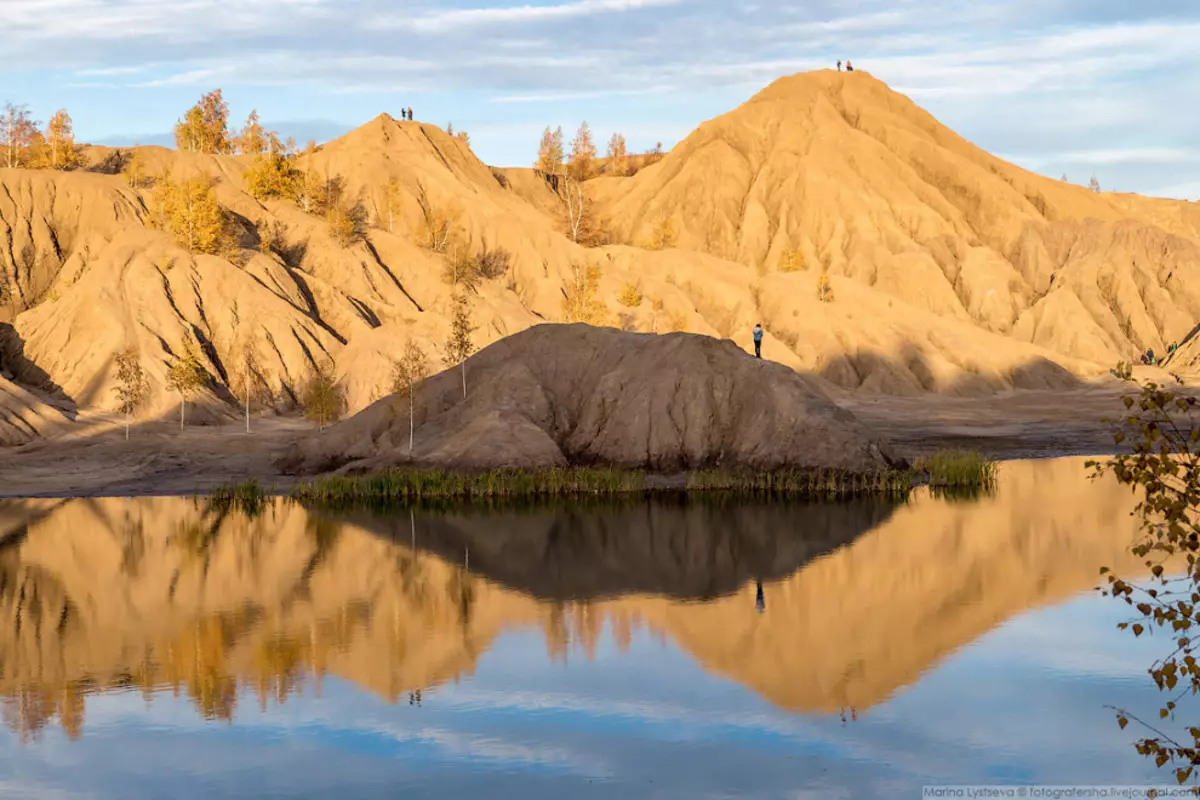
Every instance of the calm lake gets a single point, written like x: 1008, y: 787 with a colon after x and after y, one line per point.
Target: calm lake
x: 157, y: 648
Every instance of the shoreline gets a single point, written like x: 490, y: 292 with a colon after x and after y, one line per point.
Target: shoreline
x: 161, y: 461
x: 656, y: 483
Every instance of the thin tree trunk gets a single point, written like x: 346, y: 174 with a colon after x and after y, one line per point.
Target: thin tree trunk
x: 247, y: 398
x: 411, y: 425
x: 464, y: 373
x: 127, y: 426
x: 182, y: 406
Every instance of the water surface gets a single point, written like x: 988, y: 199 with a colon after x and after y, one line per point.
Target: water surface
x: 158, y: 648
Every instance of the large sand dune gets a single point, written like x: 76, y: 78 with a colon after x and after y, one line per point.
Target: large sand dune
x: 952, y: 271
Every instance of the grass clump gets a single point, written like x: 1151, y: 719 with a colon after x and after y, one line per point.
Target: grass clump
x: 958, y: 470
x: 810, y: 483
x: 247, y: 497
x: 956, y: 473
x: 414, y: 484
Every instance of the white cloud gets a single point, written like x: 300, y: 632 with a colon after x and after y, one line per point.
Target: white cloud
x: 1140, y: 155
x: 110, y: 71
x: 1181, y: 191
x: 445, y: 20
x: 563, y: 96
x: 193, y: 77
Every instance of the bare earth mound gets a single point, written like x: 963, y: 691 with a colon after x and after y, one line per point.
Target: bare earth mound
x: 559, y: 395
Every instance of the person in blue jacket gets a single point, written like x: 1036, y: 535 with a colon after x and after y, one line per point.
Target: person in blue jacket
x: 758, y: 331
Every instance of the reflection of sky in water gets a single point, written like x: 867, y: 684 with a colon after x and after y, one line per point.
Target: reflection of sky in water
x: 1024, y: 704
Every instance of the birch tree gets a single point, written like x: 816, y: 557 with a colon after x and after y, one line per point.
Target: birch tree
x: 407, y: 372
x: 574, y: 206
x: 618, y: 158
x: 581, y: 296
x: 60, y: 141
x: 392, y: 203
x: 254, y: 139
x: 322, y: 397
x: 205, y: 126
x: 550, y: 152
x: 192, y: 213
x: 249, y: 381
x: 582, y: 161
x: 132, y: 387
x: 17, y: 133
x: 186, y: 376
x: 459, y: 346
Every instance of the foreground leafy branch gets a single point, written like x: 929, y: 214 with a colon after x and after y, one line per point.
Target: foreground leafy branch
x: 1163, y: 463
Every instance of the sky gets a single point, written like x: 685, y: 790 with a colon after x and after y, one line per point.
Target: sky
x: 1074, y: 87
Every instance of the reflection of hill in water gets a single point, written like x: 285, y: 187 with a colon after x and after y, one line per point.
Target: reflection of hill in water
x: 684, y: 549
x: 158, y: 593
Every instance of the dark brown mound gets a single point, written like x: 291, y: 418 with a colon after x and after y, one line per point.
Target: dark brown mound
x: 559, y: 395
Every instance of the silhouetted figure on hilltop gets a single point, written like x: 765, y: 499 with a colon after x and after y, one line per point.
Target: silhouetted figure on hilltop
x: 759, y: 602
x: 839, y: 65
x: 758, y: 334
x: 410, y: 115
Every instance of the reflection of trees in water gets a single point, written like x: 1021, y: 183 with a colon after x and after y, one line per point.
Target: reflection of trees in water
x: 28, y: 710
x: 199, y: 662
x: 213, y: 659
x: 133, y: 543
x: 582, y: 624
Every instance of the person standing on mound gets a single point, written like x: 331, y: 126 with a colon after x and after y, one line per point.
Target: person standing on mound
x: 839, y: 65
x: 758, y: 340
x: 849, y: 67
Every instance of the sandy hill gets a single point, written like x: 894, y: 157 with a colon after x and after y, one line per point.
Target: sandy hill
x: 951, y: 271
x: 862, y: 182
x: 558, y: 395
x: 213, y: 603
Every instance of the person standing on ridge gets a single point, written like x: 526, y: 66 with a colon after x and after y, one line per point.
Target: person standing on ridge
x: 839, y: 65
x: 849, y: 67
x: 758, y: 333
